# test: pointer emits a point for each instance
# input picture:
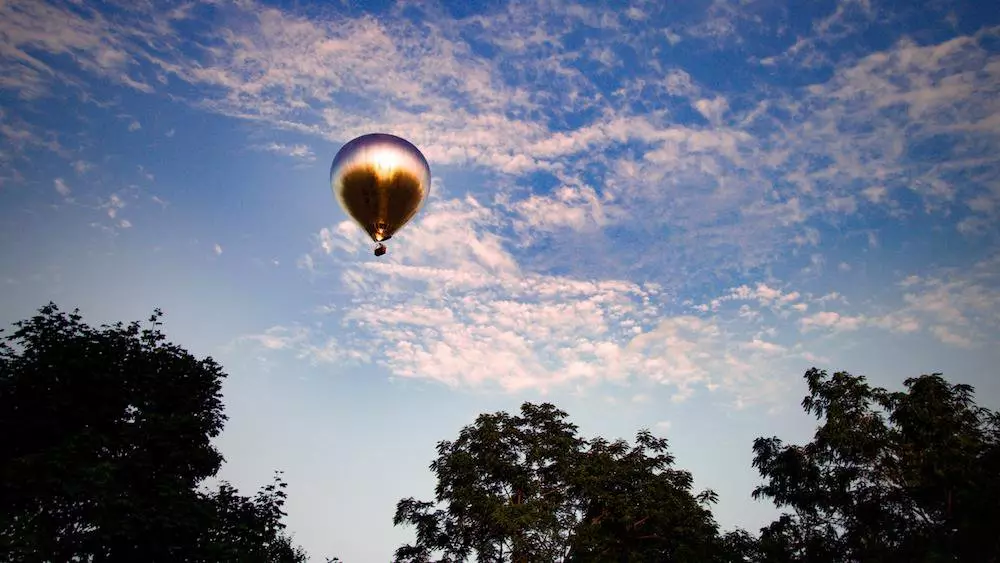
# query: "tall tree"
(528, 488)
(637, 507)
(889, 476)
(105, 436)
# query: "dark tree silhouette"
(528, 488)
(105, 437)
(904, 476)
(739, 546)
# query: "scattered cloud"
(753, 178)
(299, 152)
(113, 205)
(467, 316)
(306, 262)
(61, 187)
(712, 178)
(831, 320)
(82, 166)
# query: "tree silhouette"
(105, 436)
(528, 488)
(905, 476)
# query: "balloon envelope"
(381, 181)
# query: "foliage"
(905, 476)
(739, 546)
(105, 435)
(528, 488)
(244, 529)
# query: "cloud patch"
(299, 151)
(61, 187)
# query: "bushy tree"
(528, 488)
(105, 437)
(889, 476)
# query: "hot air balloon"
(381, 181)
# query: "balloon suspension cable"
(380, 249)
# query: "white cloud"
(732, 194)
(113, 205)
(97, 45)
(299, 151)
(831, 320)
(576, 208)
(962, 306)
(61, 187)
(764, 346)
(875, 194)
(713, 110)
(879, 114)
(81, 166)
(217, 249)
(306, 262)
(278, 338)
(946, 335)
(467, 315)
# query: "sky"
(651, 214)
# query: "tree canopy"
(912, 475)
(528, 488)
(105, 440)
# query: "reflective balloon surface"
(381, 181)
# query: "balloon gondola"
(381, 182)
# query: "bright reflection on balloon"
(381, 181)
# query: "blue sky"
(651, 214)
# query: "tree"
(528, 488)
(637, 507)
(739, 546)
(105, 436)
(905, 476)
(244, 529)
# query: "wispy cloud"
(299, 151)
(668, 168)
(466, 315)
(61, 187)
(755, 175)
(34, 31)
(113, 205)
(476, 319)
(81, 166)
